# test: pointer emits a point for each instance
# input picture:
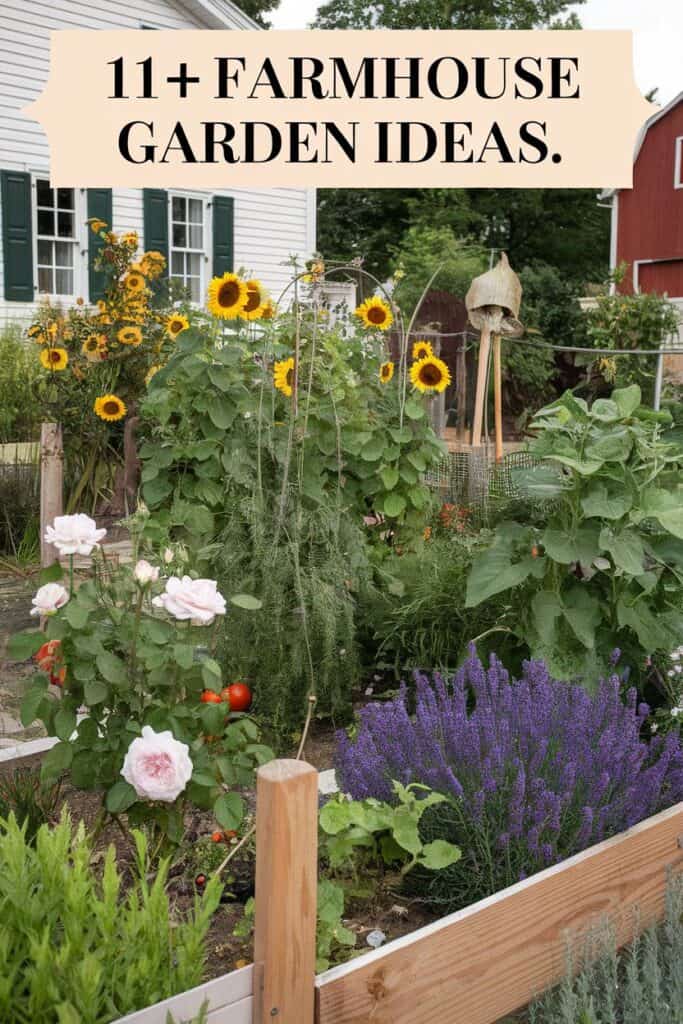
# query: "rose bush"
(126, 649)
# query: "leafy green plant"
(642, 985)
(133, 666)
(20, 394)
(606, 569)
(74, 947)
(385, 832)
(23, 794)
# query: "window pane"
(179, 236)
(177, 264)
(193, 261)
(65, 225)
(65, 198)
(65, 282)
(194, 289)
(44, 279)
(178, 208)
(46, 222)
(64, 252)
(45, 253)
(195, 239)
(195, 211)
(45, 193)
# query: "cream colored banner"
(342, 109)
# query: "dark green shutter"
(223, 234)
(100, 206)
(156, 221)
(17, 235)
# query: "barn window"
(678, 170)
(187, 243)
(57, 221)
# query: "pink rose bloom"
(145, 572)
(74, 535)
(157, 765)
(197, 600)
(48, 599)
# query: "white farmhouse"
(46, 246)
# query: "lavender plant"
(538, 770)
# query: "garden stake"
(498, 396)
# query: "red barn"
(647, 220)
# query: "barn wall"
(270, 225)
(650, 224)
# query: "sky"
(657, 26)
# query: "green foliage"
(130, 666)
(475, 14)
(423, 250)
(258, 9)
(274, 491)
(33, 804)
(642, 985)
(20, 405)
(385, 833)
(643, 320)
(605, 570)
(73, 947)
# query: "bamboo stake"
(498, 396)
(480, 395)
(51, 486)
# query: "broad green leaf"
(673, 521)
(183, 654)
(229, 810)
(605, 410)
(221, 412)
(247, 601)
(417, 460)
(439, 854)
(652, 634)
(95, 692)
(612, 447)
(626, 549)
(373, 450)
(541, 482)
(414, 408)
(582, 612)
(30, 706)
(52, 574)
(546, 609)
(599, 503)
(120, 797)
(390, 477)
(335, 816)
(583, 467)
(76, 615)
(627, 400)
(22, 646)
(65, 723)
(56, 761)
(111, 667)
(405, 830)
(493, 572)
(157, 490)
(560, 546)
(394, 505)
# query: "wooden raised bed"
(471, 967)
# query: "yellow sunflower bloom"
(130, 238)
(52, 329)
(375, 313)
(109, 408)
(34, 329)
(54, 358)
(283, 376)
(227, 296)
(430, 374)
(269, 310)
(134, 283)
(97, 225)
(94, 347)
(130, 336)
(253, 310)
(422, 349)
(176, 324)
(152, 264)
(386, 372)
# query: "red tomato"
(217, 837)
(200, 881)
(534, 551)
(209, 697)
(57, 678)
(238, 696)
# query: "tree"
(256, 9)
(455, 14)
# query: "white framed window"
(188, 243)
(678, 163)
(57, 221)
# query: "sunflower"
(269, 310)
(54, 358)
(134, 283)
(422, 349)
(130, 238)
(34, 329)
(386, 372)
(253, 309)
(109, 408)
(94, 347)
(97, 225)
(228, 296)
(375, 313)
(52, 329)
(176, 324)
(152, 264)
(130, 336)
(283, 376)
(430, 374)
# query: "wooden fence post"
(51, 485)
(286, 892)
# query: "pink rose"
(157, 765)
(48, 599)
(197, 600)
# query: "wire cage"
(474, 480)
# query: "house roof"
(218, 13)
(657, 116)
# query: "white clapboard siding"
(270, 224)
(228, 998)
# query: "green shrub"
(31, 802)
(644, 985)
(20, 406)
(74, 947)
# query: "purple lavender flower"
(536, 769)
